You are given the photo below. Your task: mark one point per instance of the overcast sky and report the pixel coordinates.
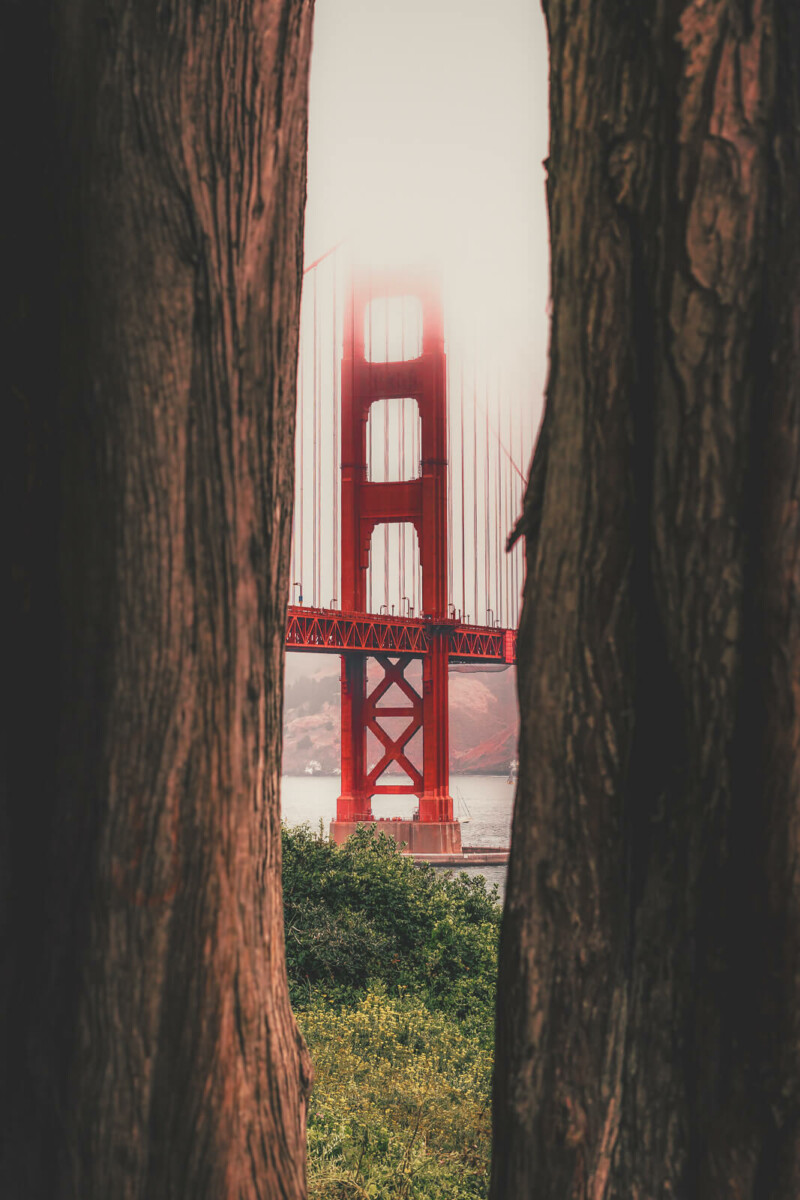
(427, 132)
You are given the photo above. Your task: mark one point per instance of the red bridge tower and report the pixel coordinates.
(423, 503)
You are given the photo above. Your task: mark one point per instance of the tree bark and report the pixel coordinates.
(150, 1047)
(648, 1035)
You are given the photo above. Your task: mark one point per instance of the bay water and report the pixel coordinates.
(483, 804)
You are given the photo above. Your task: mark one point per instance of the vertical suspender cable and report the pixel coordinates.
(412, 471)
(402, 463)
(515, 516)
(371, 448)
(517, 496)
(512, 518)
(402, 472)
(501, 528)
(474, 556)
(320, 491)
(506, 528)
(520, 561)
(495, 520)
(509, 523)
(487, 518)
(501, 579)
(386, 407)
(498, 510)
(301, 456)
(322, 549)
(315, 447)
(419, 596)
(418, 569)
(448, 418)
(463, 546)
(293, 557)
(335, 590)
(495, 517)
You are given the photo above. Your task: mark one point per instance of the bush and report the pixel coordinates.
(400, 1106)
(392, 975)
(364, 914)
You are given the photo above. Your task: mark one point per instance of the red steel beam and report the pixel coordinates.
(327, 630)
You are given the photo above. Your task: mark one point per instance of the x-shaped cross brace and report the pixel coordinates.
(394, 748)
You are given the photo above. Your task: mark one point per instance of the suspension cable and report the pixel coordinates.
(498, 517)
(402, 465)
(386, 407)
(322, 257)
(448, 417)
(475, 492)
(486, 538)
(463, 544)
(336, 591)
(371, 455)
(302, 455)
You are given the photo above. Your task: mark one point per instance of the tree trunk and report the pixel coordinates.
(155, 275)
(649, 998)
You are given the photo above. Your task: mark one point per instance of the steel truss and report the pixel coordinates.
(326, 630)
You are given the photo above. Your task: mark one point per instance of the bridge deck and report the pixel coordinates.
(328, 631)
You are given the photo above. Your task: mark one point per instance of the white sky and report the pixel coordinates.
(427, 132)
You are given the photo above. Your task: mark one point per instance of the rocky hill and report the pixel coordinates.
(483, 716)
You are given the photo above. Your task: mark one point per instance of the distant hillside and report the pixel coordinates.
(483, 716)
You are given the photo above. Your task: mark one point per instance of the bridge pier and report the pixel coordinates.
(419, 837)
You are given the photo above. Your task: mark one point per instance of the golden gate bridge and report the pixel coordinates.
(408, 479)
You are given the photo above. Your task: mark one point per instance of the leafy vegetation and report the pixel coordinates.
(392, 974)
(400, 1106)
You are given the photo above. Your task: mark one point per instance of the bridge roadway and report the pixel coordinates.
(327, 630)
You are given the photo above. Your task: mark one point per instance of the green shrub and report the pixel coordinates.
(392, 975)
(364, 914)
(400, 1106)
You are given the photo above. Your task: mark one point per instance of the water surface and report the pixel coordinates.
(483, 804)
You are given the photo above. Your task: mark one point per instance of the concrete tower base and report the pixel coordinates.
(420, 837)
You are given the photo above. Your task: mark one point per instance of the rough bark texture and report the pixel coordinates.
(649, 999)
(159, 183)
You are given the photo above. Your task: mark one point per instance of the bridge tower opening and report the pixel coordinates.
(368, 377)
